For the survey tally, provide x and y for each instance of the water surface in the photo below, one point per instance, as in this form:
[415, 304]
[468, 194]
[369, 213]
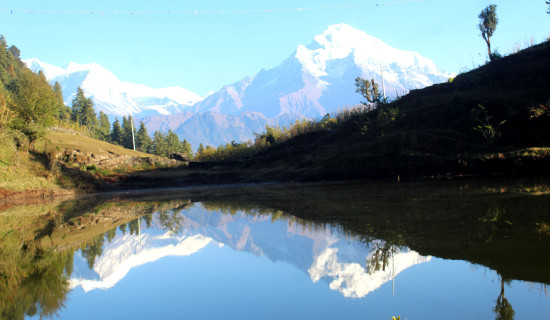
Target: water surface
[424, 251]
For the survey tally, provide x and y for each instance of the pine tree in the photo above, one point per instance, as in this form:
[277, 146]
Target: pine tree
[187, 149]
[200, 150]
[64, 112]
[83, 110]
[127, 139]
[173, 142]
[143, 141]
[3, 61]
[14, 52]
[116, 133]
[160, 146]
[103, 130]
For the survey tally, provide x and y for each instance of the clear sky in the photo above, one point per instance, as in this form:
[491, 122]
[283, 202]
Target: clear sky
[203, 45]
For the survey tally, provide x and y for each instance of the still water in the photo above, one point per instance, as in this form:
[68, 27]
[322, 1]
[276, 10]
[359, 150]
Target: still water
[261, 254]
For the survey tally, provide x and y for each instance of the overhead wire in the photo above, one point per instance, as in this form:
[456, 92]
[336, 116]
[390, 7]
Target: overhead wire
[438, 27]
[206, 12]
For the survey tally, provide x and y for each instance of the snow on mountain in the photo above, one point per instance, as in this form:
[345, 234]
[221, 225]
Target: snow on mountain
[316, 79]
[319, 78]
[112, 96]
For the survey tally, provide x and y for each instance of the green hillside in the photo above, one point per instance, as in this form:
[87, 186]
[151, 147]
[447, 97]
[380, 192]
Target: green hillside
[491, 120]
[45, 146]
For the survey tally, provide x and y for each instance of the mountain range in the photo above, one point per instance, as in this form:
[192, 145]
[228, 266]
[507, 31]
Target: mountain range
[324, 254]
[112, 96]
[314, 80]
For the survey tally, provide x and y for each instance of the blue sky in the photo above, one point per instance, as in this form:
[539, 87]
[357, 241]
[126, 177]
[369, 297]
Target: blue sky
[164, 43]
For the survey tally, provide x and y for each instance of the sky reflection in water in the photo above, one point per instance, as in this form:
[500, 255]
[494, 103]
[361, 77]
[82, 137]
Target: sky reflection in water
[214, 265]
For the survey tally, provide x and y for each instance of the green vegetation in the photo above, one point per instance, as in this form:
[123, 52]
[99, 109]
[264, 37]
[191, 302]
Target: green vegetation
[491, 120]
[369, 91]
[503, 308]
[38, 243]
[487, 26]
[497, 223]
[169, 144]
[83, 110]
[48, 148]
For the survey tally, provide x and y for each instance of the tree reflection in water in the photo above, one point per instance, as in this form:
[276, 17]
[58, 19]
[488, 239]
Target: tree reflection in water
[33, 281]
[171, 220]
[503, 308]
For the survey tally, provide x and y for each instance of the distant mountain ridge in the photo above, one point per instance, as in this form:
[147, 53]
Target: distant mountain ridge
[315, 80]
[319, 78]
[112, 96]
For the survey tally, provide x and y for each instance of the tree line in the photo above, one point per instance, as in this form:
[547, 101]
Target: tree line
[125, 134]
[29, 105]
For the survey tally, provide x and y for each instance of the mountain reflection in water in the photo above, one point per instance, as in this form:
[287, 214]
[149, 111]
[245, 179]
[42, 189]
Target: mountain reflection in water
[331, 251]
[319, 250]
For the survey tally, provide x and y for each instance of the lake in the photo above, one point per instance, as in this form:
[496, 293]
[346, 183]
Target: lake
[468, 249]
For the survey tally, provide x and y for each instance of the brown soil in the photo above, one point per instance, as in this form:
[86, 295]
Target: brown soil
[10, 198]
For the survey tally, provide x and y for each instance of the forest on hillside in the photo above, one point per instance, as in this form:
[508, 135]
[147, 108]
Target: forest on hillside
[30, 105]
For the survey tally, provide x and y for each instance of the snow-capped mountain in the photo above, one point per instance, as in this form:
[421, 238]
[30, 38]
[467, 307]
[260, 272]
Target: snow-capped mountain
[324, 254]
[112, 96]
[316, 79]
[319, 78]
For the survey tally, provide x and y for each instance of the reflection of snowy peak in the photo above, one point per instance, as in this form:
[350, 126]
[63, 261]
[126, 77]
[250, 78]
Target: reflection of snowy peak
[352, 279]
[112, 96]
[320, 251]
[129, 251]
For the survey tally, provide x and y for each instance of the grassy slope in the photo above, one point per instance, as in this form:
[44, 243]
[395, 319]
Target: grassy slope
[64, 140]
[433, 130]
[431, 134]
[30, 172]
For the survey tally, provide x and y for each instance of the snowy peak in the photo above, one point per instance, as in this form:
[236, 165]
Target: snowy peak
[112, 96]
[49, 70]
[320, 77]
[369, 54]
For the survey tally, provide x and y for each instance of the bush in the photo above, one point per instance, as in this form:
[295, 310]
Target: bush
[12, 142]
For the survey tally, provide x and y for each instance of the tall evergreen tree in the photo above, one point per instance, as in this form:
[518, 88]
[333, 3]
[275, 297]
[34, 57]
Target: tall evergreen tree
[200, 150]
[173, 142]
[3, 60]
[83, 110]
[14, 52]
[103, 130]
[160, 146]
[143, 141]
[64, 113]
[187, 149]
[127, 127]
[116, 133]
